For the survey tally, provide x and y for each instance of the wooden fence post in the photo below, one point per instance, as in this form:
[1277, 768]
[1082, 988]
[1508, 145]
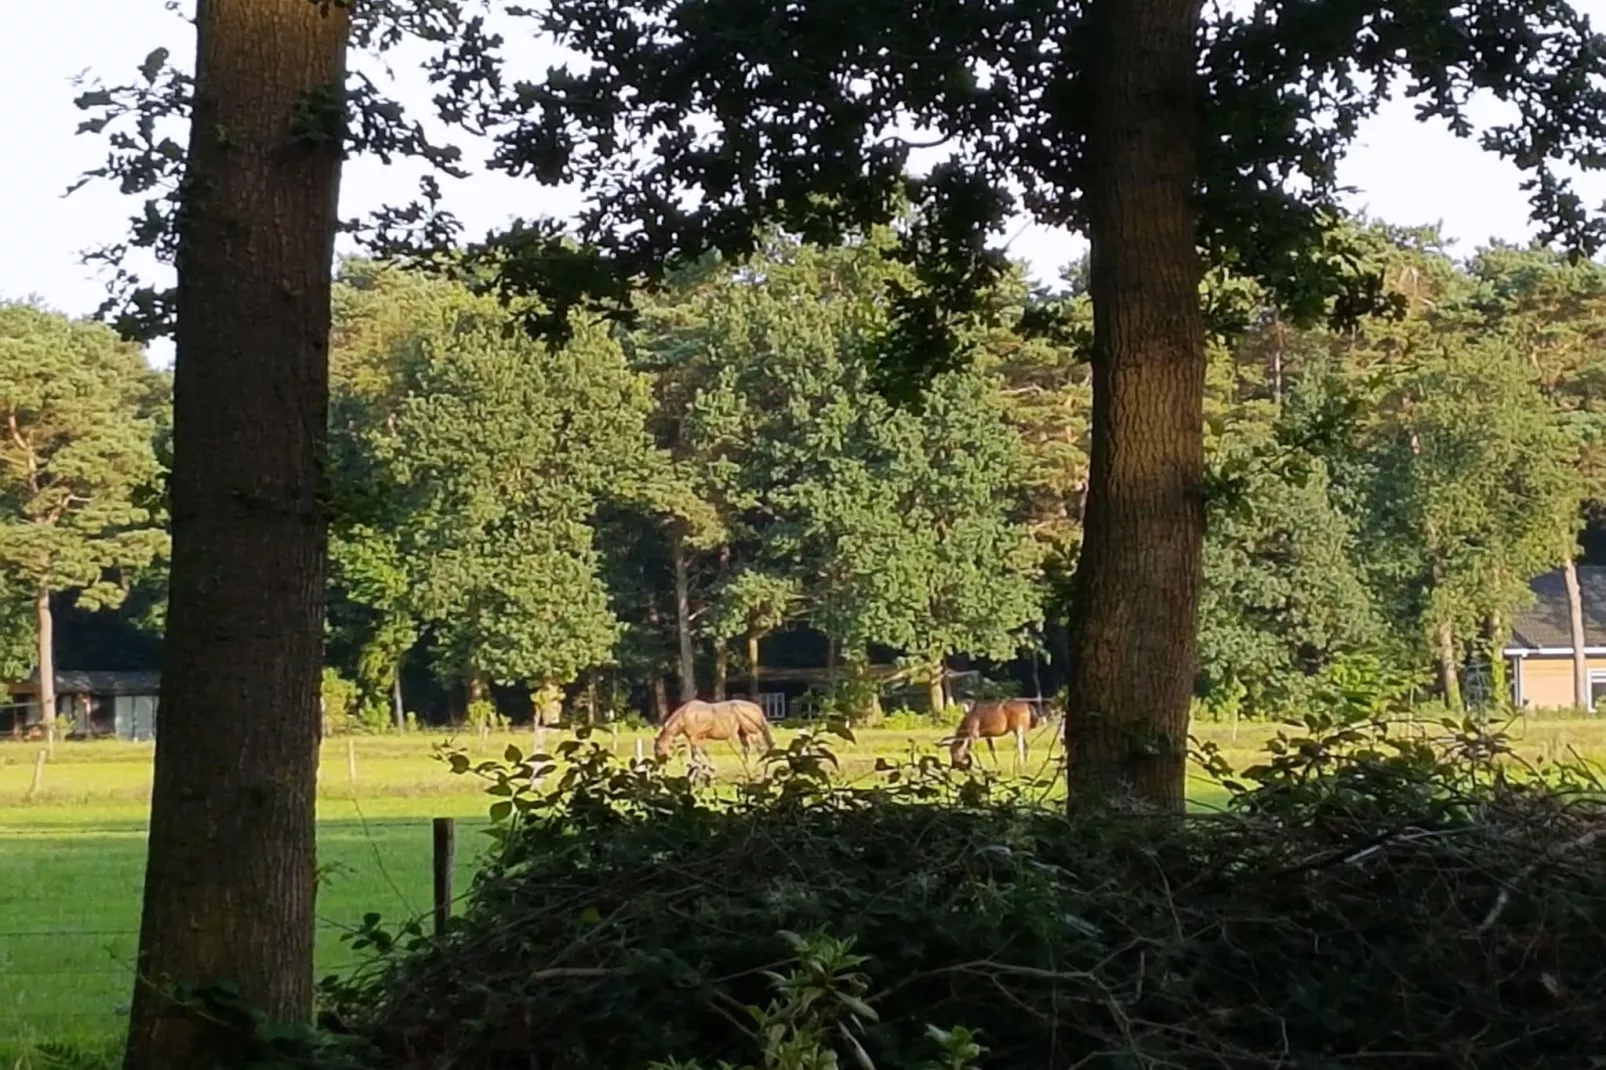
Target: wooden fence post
[351, 762]
[638, 750]
[38, 775]
[444, 849]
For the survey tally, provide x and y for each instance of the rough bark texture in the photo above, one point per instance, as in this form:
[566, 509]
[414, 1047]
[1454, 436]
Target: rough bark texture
[660, 697]
[1575, 621]
[688, 655]
[45, 621]
[1499, 677]
[1134, 627]
[752, 666]
[721, 669]
[1449, 678]
[229, 885]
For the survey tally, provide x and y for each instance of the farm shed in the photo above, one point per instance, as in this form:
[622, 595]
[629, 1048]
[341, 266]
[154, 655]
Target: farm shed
[91, 704]
[1540, 648]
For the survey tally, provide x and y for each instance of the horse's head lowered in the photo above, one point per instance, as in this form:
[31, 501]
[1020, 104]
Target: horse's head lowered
[959, 752]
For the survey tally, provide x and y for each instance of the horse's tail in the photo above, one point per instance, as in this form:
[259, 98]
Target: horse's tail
[764, 731]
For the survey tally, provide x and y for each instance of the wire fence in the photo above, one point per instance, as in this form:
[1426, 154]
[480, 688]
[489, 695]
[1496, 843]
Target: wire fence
[69, 913]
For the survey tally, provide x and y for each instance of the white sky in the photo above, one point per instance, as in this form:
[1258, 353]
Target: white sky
[1405, 172]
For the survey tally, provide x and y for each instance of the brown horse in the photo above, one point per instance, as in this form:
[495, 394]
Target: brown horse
[700, 722]
[987, 721]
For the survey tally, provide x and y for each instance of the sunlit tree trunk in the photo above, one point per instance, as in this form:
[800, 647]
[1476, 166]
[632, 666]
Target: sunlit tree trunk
[683, 636]
[231, 874]
[721, 668]
[1449, 676]
[45, 621]
[1134, 628]
[752, 664]
[1575, 622]
[934, 692]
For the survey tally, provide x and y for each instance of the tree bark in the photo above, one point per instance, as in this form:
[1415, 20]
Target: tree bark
[1449, 677]
[1580, 643]
[230, 879]
[752, 665]
[45, 621]
[721, 669]
[660, 696]
[1133, 647]
[688, 653]
[655, 677]
[1499, 678]
[934, 693]
[721, 643]
[396, 700]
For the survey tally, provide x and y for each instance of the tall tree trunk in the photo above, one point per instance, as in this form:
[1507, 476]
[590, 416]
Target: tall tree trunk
[396, 704]
[1580, 644]
[934, 695]
[655, 677]
[1449, 677]
[1134, 629]
[230, 878]
[688, 653]
[660, 696]
[721, 643]
[45, 621]
[752, 664]
[1499, 678]
[722, 663]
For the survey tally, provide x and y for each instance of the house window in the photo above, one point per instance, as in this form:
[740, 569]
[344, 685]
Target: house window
[774, 703]
[1597, 688]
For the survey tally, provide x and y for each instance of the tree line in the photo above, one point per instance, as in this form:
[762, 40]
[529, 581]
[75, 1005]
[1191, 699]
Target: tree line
[643, 507]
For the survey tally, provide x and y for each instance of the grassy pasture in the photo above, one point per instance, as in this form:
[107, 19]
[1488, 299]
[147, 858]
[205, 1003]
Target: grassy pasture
[72, 856]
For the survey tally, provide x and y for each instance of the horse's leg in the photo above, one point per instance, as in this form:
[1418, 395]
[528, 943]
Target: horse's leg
[992, 750]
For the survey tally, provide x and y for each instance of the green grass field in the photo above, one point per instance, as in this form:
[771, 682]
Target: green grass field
[72, 856]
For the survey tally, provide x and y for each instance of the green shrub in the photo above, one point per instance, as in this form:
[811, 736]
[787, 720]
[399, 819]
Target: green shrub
[1370, 890]
[339, 699]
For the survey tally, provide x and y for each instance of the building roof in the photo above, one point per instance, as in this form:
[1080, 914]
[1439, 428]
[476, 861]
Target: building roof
[91, 682]
[1543, 624]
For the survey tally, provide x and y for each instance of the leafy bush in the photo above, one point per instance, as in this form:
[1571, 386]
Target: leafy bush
[483, 716]
[339, 699]
[904, 719]
[1372, 891]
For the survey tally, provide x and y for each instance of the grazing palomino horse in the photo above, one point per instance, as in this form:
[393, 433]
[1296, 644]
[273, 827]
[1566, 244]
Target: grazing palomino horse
[987, 721]
[700, 722]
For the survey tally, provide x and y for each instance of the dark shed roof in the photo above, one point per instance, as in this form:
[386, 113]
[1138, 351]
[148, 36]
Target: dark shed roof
[1543, 624]
[84, 681]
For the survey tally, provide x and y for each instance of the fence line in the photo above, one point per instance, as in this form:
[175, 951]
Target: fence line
[48, 990]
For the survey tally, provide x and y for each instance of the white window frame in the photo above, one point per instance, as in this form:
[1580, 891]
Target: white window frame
[1596, 676]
